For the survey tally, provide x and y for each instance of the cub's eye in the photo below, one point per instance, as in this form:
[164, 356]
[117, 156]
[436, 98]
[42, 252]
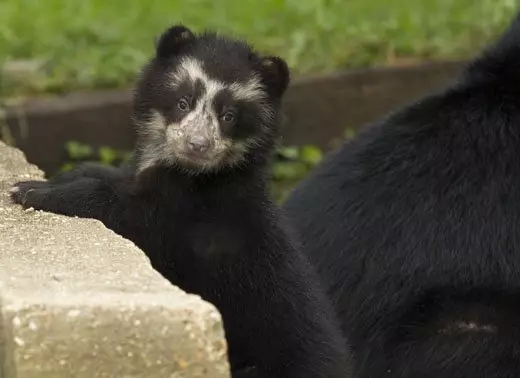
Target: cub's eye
[228, 117]
[183, 105]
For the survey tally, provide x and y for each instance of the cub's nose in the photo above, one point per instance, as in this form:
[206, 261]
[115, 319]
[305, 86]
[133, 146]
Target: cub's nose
[198, 143]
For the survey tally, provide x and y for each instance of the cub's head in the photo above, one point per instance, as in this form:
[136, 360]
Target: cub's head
[206, 102]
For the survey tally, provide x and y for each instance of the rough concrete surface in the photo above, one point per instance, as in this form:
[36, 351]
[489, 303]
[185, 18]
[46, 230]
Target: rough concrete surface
[77, 300]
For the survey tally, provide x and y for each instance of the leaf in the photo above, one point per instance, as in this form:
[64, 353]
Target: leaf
[311, 155]
[349, 133]
[289, 152]
[107, 155]
[288, 170]
[78, 151]
[66, 167]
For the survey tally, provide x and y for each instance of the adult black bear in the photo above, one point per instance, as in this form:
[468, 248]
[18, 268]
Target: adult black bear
[195, 199]
[415, 228]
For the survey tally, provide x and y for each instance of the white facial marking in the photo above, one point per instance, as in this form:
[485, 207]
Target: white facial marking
[252, 90]
[166, 141]
[191, 68]
[157, 123]
[155, 150]
[203, 116]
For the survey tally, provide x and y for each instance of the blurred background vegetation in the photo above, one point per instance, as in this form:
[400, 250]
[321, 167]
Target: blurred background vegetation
[66, 45]
[102, 43]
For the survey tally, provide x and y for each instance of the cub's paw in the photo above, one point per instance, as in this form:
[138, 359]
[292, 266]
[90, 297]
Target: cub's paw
[30, 193]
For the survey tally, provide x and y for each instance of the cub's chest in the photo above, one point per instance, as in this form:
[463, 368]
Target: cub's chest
[208, 239]
[211, 228]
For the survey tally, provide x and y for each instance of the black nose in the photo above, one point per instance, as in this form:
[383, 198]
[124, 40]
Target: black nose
[198, 143]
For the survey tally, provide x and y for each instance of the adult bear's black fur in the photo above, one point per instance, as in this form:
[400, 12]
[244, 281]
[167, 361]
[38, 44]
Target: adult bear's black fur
[195, 199]
[415, 227]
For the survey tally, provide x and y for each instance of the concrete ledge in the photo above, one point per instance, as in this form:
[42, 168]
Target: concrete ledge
[77, 300]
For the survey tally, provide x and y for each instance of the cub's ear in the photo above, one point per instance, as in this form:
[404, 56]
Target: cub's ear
[276, 74]
[173, 40]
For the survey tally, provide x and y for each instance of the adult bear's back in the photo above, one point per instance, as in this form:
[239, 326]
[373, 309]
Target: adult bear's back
[415, 228]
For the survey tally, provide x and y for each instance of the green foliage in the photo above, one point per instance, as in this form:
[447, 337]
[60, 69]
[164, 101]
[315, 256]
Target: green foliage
[78, 44]
[349, 133]
[79, 152]
[291, 165]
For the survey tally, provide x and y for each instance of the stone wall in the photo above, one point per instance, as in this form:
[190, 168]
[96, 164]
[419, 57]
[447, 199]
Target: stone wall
[77, 300]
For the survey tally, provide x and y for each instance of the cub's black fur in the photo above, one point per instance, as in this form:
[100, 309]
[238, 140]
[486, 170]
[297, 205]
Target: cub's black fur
[195, 199]
[415, 227]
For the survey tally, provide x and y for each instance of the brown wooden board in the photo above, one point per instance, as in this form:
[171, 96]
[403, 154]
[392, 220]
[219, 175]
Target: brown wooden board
[319, 109]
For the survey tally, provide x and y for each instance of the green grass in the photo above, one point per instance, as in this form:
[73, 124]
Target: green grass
[102, 43]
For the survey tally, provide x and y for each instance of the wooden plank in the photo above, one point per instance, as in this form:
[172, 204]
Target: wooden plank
[319, 109]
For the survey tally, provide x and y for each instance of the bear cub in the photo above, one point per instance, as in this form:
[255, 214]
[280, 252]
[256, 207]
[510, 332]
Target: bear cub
[194, 198]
